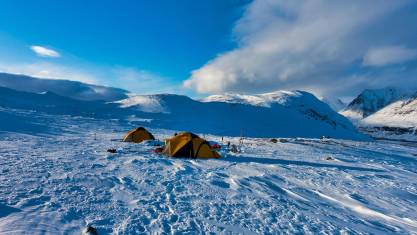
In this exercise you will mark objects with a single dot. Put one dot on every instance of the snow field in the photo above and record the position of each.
(60, 181)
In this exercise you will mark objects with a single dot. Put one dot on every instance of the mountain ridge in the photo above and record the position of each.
(281, 113)
(370, 101)
(73, 89)
(273, 114)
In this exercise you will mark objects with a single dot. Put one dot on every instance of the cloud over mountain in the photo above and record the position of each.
(313, 45)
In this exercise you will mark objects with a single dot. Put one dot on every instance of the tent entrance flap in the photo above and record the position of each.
(185, 151)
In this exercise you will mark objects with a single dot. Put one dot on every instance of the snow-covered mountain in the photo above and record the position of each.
(276, 114)
(52, 103)
(402, 113)
(395, 121)
(256, 100)
(385, 113)
(370, 101)
(72, 89)
(335, 103)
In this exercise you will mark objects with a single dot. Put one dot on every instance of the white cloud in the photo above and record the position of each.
(45, 52)
(388, 55)
(303, 44)
(143, 82)
(131, 79)
(76, 69)
(50, 71)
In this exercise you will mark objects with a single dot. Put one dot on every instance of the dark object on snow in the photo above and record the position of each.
(228, 144)
(329, 158)
(216, 146)
(273, 140)
(283, 140)
(111, 150)
(234, 149)
(91, 230)
(159, 150)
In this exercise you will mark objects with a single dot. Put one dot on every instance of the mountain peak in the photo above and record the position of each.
(370, 101)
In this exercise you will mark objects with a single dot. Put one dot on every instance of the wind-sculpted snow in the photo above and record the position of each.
(71, 89)
(62, 180)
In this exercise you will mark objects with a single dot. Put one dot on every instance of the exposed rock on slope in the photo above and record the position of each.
(370, 101)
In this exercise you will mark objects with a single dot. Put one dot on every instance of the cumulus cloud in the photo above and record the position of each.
(388, 55)
(44, 52)
(302, 44)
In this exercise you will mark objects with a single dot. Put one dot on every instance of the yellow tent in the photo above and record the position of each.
(138, 135)
(189, 145)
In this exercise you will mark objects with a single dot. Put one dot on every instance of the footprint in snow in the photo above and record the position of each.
(7, 210)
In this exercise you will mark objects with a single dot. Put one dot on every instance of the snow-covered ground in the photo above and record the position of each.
(57, 179)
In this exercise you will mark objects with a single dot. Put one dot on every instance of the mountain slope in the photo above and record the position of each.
(277, 114)
(370, 101)
(334, 103)
(72, 89)
(51, 103)
(402, 113)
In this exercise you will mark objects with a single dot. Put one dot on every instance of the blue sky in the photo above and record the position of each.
(165, 38)
(331, 48)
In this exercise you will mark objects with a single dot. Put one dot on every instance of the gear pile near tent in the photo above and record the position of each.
(189, 145)
(138, 135)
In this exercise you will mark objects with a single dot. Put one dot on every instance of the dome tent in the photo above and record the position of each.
(189, 145)
(138, 135)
